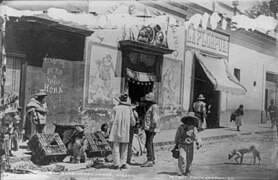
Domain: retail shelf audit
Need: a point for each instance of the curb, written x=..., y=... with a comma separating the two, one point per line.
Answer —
x=167, y=143
x=161, y=144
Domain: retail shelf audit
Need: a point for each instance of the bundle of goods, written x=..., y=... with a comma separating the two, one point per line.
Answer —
x=47, y=148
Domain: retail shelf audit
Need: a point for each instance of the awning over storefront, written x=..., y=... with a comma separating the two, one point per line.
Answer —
x=140, y=76
x=219, y=74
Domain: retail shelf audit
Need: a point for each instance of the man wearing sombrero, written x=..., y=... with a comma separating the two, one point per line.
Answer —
x=199, y=107
x=36, y=111
x=185, y=137
x=150, y=125
x=121, y=120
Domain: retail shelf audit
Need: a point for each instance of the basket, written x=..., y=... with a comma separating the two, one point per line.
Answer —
x=98, y=146
x=46, y=148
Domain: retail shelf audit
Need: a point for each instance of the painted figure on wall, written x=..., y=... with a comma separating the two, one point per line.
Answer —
x=103, y=76
x=169, y=87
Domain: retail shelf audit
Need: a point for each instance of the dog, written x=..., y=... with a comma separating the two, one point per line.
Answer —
x=239, y=154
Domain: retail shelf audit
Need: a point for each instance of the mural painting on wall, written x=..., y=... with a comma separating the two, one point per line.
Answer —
x=102, y=83
x=152, y=34
x=170, y=87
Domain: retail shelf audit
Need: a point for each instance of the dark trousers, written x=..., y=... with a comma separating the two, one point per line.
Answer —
x=129, y=149
x=149, y=145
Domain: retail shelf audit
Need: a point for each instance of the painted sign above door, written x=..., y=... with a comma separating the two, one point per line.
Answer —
x=207, y=40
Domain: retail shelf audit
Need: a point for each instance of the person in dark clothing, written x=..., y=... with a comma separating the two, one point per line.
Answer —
x=150, y=125
x=272, y=110
x=238, y=115
x=199, y=108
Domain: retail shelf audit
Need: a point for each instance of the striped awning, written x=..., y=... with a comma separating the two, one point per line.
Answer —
x=218, y=73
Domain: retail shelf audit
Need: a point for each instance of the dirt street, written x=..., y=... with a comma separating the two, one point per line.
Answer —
x=210, y=162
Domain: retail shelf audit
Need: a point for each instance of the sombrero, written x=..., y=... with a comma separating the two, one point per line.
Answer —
x=190, y=119
x=201, y=97
x=41, y=93
x=78, y=130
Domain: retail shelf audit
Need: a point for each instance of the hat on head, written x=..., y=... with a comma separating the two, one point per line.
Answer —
x=190, y=119
x=78, y=130
x=201, y=97
x=149, y=97
x=41, y=93
x=123, y=99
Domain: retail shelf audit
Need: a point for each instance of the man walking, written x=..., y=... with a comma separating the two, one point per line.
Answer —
x=199, y=108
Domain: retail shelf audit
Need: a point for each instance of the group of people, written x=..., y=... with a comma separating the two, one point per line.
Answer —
x=125, y=121
x=36, y=111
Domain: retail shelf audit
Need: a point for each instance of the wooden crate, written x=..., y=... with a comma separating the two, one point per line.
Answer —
x=46, y=148
x=98, y=146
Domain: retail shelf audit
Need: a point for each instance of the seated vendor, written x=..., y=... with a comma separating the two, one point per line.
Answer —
x=78, y=146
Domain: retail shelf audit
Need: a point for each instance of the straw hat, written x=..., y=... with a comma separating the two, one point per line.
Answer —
x=41, y=93
x=190, y=119
x=78, y=130
x=123, y=99
x=201, y=97
x=149, y=97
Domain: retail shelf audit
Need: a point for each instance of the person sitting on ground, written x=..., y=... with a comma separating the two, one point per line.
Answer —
x=78, y=146
x=104, y=130
x=185, y=136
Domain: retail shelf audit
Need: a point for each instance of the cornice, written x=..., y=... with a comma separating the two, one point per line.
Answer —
x=251, y=39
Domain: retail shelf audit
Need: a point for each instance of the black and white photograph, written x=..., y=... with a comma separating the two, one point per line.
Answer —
x=138, y=89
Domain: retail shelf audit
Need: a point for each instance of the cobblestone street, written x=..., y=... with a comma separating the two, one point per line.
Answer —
x=210, y=162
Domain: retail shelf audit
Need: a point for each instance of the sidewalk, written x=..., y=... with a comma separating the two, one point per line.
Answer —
x=166, y=137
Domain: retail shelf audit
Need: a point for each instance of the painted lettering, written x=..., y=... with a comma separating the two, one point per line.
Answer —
x=60, y=90
x=207, y=40
x=55, y=90
x=46, y=87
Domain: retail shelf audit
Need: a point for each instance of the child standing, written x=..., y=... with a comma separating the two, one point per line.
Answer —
x=186, y=134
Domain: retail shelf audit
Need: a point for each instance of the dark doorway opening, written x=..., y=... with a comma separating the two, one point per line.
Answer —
x=138, y=89
x=202, y=85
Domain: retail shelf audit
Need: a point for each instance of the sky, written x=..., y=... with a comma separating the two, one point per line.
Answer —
x=243, y=4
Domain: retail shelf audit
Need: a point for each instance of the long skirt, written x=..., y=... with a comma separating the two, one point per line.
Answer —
x=238, y=121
